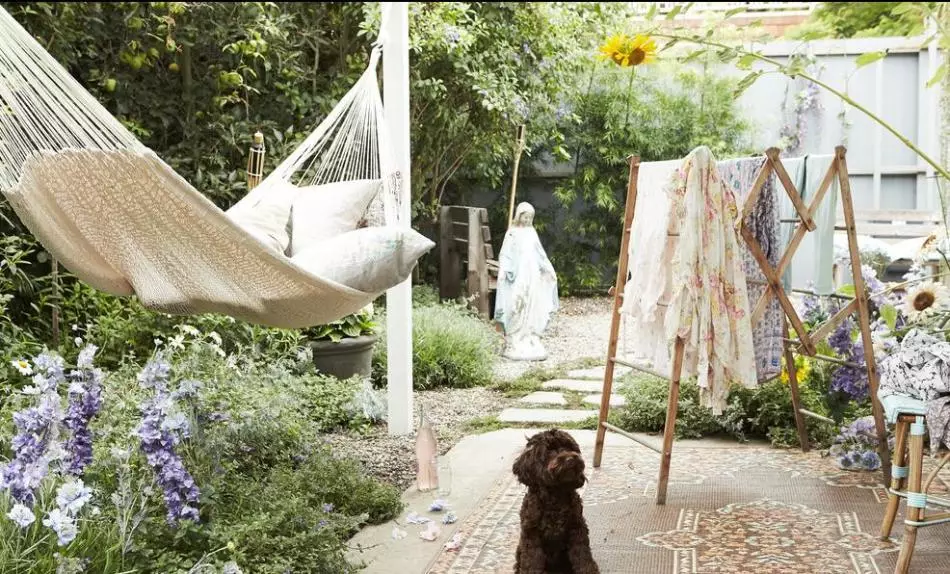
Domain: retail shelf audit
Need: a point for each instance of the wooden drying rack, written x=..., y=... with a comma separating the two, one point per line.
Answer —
x=804, y=343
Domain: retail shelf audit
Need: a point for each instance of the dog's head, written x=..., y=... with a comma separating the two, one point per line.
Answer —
x=551, y=459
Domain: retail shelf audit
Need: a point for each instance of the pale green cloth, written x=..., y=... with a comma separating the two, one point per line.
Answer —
x=812, y=265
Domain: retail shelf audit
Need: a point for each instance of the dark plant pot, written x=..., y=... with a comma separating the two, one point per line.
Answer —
x=348, y=358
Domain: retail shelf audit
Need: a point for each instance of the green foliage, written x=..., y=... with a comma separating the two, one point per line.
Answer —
x=451, y=348
x=355, y=325
x=861, y=20
x=659, y=113
x=763, y=412
x=274, y=496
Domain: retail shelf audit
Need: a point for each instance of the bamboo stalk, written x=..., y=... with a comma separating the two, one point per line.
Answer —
x=519, y=148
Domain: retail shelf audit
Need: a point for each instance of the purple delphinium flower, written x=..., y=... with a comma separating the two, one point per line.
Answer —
x=35, y=445
x=871, y=460
x=85, y=400
x=158, y=435
x=840, y=339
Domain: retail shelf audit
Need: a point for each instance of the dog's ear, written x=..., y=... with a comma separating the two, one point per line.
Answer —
x=527, y=466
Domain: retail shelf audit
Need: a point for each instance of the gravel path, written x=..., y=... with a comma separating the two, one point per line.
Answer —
x=578, y=331
x=393, y=458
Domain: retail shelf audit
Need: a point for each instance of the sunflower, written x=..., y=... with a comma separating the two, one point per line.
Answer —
x=626, y=52
x=925, y=300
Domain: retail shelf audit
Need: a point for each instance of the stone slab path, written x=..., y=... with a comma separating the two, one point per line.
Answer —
x=546, y=406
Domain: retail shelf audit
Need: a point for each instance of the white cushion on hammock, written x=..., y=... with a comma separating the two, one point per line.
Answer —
x=371, y=259
x=268, y=219
x=323, y=211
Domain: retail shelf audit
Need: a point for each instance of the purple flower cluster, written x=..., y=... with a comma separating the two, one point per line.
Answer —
x=158, y=433
x=852, y=380
x=34, y=445
x=85, y=400
x=855, y=447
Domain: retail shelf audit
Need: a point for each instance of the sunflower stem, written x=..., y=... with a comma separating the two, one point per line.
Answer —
x=626, y=115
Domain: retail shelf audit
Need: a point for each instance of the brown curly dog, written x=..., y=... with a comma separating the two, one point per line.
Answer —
x=554, y=537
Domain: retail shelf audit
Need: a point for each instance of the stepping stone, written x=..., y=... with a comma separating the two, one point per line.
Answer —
x=615, y=400
x=544, y=416
x=597, y=372
x=544, y=398
x=574, y=385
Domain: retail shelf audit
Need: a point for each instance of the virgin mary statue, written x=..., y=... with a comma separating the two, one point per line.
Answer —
x=526, y=295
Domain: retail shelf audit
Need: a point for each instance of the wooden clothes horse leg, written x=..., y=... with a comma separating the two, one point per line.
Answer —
x=622, y=269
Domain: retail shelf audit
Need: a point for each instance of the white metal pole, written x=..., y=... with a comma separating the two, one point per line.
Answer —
x=395, y=30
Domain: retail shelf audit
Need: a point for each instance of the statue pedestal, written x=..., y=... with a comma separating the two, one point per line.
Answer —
x=525, y=349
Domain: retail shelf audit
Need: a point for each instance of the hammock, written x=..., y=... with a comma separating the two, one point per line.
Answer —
x=124, y=222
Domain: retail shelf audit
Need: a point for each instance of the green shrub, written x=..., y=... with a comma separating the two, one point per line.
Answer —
x=764, y=412
x=645, y=409
x=274, y=496
x=451, y=348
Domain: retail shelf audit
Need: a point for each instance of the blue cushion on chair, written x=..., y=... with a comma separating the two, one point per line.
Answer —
x=896, y=405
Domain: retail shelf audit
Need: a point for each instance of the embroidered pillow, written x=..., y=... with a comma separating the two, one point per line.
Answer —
x=323, y=211
x=371, y=259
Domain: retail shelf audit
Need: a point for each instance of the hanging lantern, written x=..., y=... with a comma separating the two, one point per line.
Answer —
x=255, y=161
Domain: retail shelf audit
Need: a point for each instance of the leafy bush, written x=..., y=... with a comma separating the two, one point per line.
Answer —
x=273, y=496
x=451, y=348
x=763, y=412
x=354, y=325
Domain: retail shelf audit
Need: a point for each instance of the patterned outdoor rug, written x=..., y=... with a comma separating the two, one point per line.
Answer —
x=728, y=511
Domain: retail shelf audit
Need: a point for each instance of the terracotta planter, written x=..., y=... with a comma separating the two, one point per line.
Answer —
x=348, y=358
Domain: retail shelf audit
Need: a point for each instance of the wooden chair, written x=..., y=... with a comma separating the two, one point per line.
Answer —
x=465, y=239
x=908, y=415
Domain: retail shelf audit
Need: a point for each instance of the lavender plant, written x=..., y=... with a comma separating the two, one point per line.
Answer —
x=159, y=433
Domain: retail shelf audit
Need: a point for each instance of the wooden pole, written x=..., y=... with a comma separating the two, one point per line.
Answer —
x=796, y=396
x=622, y=269
x=669, y=427
x=54, y=275
x=864, y=320
x=519, y=148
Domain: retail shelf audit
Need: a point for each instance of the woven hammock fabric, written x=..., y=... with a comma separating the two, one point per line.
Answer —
x=122, y=220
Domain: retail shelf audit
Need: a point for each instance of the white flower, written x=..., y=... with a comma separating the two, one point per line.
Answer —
x=78, y=341
x=189, y=330
x=924, y=300
x=177, y=342
x=23, y=366
x=85, y=357
x=62, y=524
x=72, y=496
x=158, y=342
x=215, y=338
x=231, y=568
x=75, y=327
x=21, y=515
x=95, y=511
